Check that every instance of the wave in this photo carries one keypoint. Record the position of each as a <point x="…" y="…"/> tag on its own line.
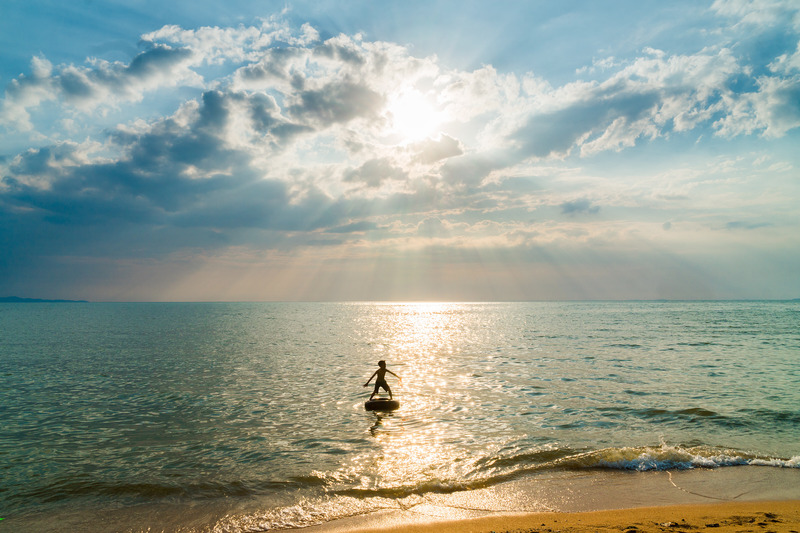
<point x="355" y="501"/>
<point x="666" y="457"/>
<point x="514" y="464"/>
<point x="305" y="513"/>
<point x="739" y="419"/>
<point x="86" y="487"/>
<point x="504" y="465"/>
<point x="326" y="496"/>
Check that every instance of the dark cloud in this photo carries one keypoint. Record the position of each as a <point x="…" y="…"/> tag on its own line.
<point x="275" y="64"/>
<point x="176" y="184"/>
<point x="743" y="225"/>
<point x="75" y="84"/>
<point x="579" y="206"/>
<point x="432" y="227"/>
<point x="264" y="112"/>
<point x="342" y="50"/>
<point x="213" y="113"/>
<point x="555" y="133"/>
<point x="34" y="162"/>
<point x="433" y="150"/>
<point x="375" y="172"/>
<point x="156" y="61"/>
<point x="336" y="102"/>
<point x="471" y="169"/>
<point x="81" y="84"/>
<point x="355" y="227"/>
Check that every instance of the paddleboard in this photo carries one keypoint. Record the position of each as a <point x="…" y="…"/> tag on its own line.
<point x="381" y="404"/>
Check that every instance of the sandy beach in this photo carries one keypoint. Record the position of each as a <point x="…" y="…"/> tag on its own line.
<point x="783" y="516"/>
<point x="741" y="499"/>
<point x="730" y="499"/>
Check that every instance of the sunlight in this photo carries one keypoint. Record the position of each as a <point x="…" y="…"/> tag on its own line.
<point x="415" y="446"/>
<point x="412" y="116"/>
<point x="426" y="329"/>
<point x="421" y="338"/>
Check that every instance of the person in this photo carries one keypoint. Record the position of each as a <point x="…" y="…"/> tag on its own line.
<point x="380" y="382"/>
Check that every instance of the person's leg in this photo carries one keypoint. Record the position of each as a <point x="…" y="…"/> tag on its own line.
<point x="375" y="391"/>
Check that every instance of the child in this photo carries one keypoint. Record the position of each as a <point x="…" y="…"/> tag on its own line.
<point x="381" y="380"/>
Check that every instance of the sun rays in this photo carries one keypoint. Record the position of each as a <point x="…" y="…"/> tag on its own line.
<point x="412" y="116"/>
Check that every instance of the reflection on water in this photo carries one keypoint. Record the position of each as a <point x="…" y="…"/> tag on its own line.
<point x="421" y="339"/>
<point x="136" y="403"/>
<point x="383" y="423"/>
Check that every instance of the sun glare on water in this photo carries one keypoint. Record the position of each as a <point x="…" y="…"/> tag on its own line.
<point x="412" y="116"/>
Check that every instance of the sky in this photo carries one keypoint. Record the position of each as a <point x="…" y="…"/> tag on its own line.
<point x="384" y="150"/>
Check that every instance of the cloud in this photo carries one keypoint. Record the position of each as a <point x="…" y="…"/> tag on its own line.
<point x="433" y="150"/>
<point x="742" y="225"/>
<point x="764" y="14"/>
<point x="433" y="227"/>
<point x="336" y="102"/>
<point x="356" y="227"/>
<point x="273" y="140"/>
<point x="773" y="109"/>
<point x="650" y="97"/>
<point x="99" y="85"/>
<point x="375" y="172"/>
<point x="581" y="205"/>
<point x="555" y="133"/>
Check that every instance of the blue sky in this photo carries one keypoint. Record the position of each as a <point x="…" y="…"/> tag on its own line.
<point x="256" y="150"/>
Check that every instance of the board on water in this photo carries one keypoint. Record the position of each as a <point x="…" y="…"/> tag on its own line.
<point x="381" y="404"/>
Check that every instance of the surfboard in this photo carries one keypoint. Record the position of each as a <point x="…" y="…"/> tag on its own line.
<point x="381" y="404"/>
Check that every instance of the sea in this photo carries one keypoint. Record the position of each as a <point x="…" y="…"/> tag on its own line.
<point x="234" y="417"/>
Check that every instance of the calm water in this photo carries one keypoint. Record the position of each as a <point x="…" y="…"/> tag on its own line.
<point x="112" y="406"/>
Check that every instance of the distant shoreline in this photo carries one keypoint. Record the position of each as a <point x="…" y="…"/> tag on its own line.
<point x="17" y="299"/>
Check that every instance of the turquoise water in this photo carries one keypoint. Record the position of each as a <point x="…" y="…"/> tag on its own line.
<point x="260" y="405"/>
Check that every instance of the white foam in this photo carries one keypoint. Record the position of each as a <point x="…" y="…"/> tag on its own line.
<point x="794" y="462"/>
<point x="305" y="513"/>
<point x="668" y="457"/>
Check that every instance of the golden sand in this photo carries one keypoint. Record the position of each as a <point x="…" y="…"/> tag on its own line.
<point x="780" y="516"/>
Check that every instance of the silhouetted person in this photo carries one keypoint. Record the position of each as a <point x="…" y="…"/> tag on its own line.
<point x="380" y="382"/>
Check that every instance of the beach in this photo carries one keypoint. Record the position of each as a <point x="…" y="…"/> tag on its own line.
<point x="732" y="499"/>
<point x="783" y="516"/>
<point x="720" y="500"/>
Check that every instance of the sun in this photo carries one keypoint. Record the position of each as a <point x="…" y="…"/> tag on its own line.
<point x="412" y="116"/>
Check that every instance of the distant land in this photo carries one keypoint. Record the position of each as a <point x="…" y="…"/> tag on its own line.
<point x="17" y="299"/>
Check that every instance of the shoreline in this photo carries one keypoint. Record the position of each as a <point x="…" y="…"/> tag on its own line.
<point x="600" y="501"/>
<point x="724" y="517"/>
<point x="747" y="498"/>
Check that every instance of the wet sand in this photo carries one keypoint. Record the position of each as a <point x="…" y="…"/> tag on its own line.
<point x="722" y="517"/>
<point x="727" y="499"/>
<point x="741" y="499"/>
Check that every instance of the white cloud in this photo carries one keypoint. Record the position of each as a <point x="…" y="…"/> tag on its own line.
<point x="774" y="109"/>
<point x="276" y="139"/>
<point x="760" y="13"/>
<point x="100" y="85"/>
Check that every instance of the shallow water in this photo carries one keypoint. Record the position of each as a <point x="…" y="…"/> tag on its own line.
<point x="110" y="406"/>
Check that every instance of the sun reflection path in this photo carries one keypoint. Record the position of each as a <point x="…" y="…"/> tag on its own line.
<point x="417" y="449"/>
<point x="421" y="340"/>
<point x="424" y="329"/>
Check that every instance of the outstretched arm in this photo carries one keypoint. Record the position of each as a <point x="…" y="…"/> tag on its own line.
<point x="370" y="378"/>
<point x="392" y="373"/>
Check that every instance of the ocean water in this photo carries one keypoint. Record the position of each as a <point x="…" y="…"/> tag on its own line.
<point x="254" y="411"/>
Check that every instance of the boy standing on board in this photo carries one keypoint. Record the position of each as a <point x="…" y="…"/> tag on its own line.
<point x="381" y="380"/>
